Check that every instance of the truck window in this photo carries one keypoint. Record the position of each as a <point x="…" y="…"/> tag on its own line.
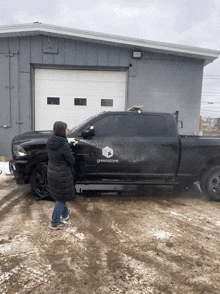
<point x="151" y="125"/>
<point x="112" y="125"/>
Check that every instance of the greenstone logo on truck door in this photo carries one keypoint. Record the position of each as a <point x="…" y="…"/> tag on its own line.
<point x="107" y="152"/>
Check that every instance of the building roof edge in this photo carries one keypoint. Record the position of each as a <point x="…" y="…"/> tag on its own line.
<point x="209" y="55"/>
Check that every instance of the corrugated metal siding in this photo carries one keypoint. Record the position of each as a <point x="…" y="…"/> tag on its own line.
<point x="5" y="114"/>
<point x="158" y="81"/>
<point x="163" y="85"/>
<point x="8" y="98"/>
<point x="4" y="48"/>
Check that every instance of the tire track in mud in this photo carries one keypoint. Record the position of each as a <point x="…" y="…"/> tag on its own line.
<point x="7" y="182"/>
<point x="193" y="222"/>
<point x="8" y="202"/>
<point x="51" y="251"/>
<point x="188" y="231"/>
<point x="85" y="267"/>
<point x="113" y="248"/>
<point x="152" y="262"/>
<point x="78" y="262"/>
<point x="21" y="268"/>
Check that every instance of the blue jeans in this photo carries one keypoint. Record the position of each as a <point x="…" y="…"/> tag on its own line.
<point x="59" y="209"/>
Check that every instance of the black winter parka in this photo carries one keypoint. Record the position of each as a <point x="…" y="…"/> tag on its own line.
<point x="60" y="171"/>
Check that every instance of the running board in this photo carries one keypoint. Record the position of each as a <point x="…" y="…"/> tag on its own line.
<point x="107" y="182"/>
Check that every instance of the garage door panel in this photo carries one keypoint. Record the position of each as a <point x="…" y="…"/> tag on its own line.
<point x="78" y="75"/>
<point x="67" y="85"/>
<point x="79" y="87"/>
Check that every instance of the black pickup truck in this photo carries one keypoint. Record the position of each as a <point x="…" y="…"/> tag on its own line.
<point x="124" y="148"/>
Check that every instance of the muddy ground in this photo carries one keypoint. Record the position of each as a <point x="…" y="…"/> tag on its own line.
<point x="150" y="242"/>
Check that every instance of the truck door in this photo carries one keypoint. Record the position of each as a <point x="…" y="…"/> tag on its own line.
<point x="156" y="146"/>
<point x="106" y="153"/>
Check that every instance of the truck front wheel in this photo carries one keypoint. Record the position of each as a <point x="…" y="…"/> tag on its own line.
<point x="210" y="183"/>
<point x="38" y="181"/>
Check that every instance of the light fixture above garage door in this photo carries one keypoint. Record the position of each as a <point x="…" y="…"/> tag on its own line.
<point x="136" y="54"/>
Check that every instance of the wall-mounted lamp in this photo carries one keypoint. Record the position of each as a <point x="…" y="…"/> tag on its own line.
<point x="136" y="54"/>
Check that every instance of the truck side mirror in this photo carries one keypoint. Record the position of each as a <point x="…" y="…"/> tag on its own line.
<point x="88" y="132"/>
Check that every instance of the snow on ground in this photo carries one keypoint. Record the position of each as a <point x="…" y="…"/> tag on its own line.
<point x="162" y="235"/>
<point x="4" y="168"/>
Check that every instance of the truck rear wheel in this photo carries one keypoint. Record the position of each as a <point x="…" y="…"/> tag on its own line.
<point x="210" y="183"/>
<point x="38" y="181"/>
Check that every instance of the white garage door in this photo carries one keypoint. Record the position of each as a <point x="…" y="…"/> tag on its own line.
<point x="74" y="95"/>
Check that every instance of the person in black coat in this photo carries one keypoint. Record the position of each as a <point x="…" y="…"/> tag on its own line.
<point x="60" y="173"/>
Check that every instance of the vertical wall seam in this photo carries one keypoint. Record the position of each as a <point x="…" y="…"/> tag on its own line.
<point x="32" y="94"/>
<point x="97" y="54"/>
<point x="87" y="54"/>
<point x="30" y="86"/>
<point x="64" y="49"/>
<point x="108" y="49"/>
<point x="19" y="93"/>
<point x="75" y="52"/>
<point x="126" y="90"/>
<point x="19" y="82"/>
<point x="9" y="79"/>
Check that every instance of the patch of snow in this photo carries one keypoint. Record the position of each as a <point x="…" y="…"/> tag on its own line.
<point x="74" y="230"/>
<point x="4" y="168"/>
<point x="162" y="235"/>
<point x="2" y="251"/>
<point x="174" y="213"/>
<point x="5" y="276"/>
<point x="80" y="236"/>
<point x="16" y="269"/>
<point x="36" y="272"/>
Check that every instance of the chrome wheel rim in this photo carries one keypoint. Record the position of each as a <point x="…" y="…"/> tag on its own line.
<point x="214" y="184"/>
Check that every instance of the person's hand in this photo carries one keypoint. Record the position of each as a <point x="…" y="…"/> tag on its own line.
<point x="73" y="141"/>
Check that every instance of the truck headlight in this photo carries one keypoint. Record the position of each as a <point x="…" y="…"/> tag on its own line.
<point x="19" y="151"/>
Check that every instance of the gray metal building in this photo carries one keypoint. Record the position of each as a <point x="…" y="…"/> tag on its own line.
<point x="50" y="73"/>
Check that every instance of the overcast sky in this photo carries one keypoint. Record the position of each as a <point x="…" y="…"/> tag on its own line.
<point x="186" y="22"/>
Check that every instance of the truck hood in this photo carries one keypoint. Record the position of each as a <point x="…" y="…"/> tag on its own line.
<point x="32" y="136"/>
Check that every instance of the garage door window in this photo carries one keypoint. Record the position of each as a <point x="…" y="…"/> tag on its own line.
<point x="80" y="101"/>
<point x="106" y="102"/>
<point x="53" y="100"/>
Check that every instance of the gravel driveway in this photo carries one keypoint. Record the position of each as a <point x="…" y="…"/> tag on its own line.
<point x="149" y="242"/>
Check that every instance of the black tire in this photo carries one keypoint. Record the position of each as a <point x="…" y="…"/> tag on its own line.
<point x="38" y="181"/>
<point x="210" y="183"/>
